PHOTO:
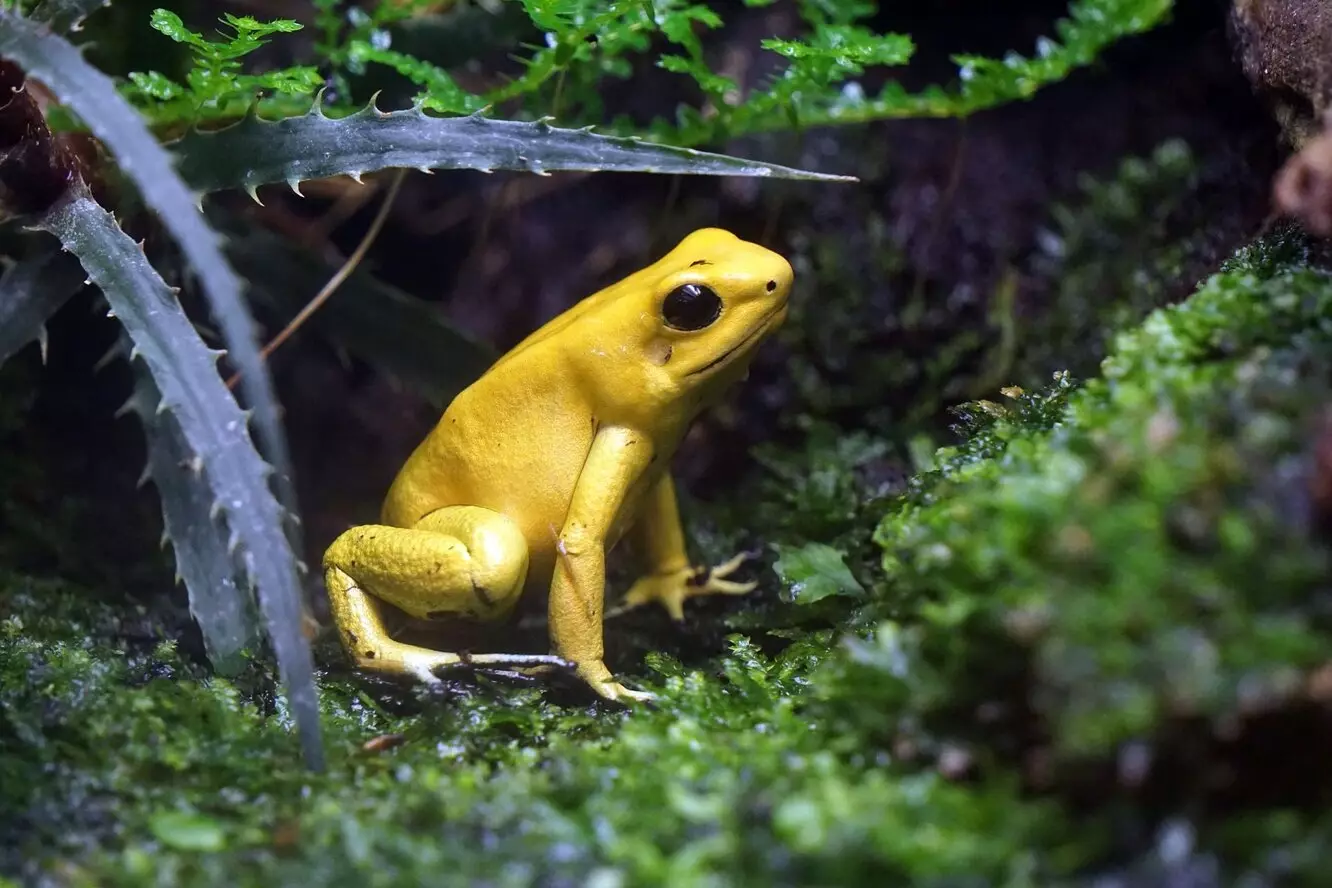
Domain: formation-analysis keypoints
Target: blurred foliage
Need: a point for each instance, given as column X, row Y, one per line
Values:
column 578, row 45
column 1112, row 255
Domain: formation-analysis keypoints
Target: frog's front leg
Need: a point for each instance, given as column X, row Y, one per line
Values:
column 617, row 458
column 456, row 561
column 659, row 539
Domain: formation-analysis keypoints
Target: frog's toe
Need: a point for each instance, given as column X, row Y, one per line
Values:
column 620, row 694
column 424, row 673
column 727, row 587
column 674, row 605
column 730, row 566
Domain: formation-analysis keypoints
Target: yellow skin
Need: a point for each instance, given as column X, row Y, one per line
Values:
column 553, row 456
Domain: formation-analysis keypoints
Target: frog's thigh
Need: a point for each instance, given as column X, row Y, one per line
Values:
column 460, row 560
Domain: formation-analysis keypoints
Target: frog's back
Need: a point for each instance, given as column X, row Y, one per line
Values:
column 513, row 442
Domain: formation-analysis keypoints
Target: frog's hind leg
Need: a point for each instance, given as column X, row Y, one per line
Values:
column 457, row 561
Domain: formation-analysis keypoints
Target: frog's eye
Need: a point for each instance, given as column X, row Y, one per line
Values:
column 691, row 307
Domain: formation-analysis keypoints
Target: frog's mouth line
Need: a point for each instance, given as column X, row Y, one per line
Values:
column 748, row 338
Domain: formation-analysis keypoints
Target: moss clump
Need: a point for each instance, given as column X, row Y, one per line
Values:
column 1104, row 260
column 129, row 769
column 1142, row 552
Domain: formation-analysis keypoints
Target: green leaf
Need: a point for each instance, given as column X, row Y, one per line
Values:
column 301, row 80
column 848, row 47
column 559, row 16
column 155, row 85
column 170, row 24
column 188, row 831
column 250, row 27
column 814, row 572
column 441, row 92
column 814, row 89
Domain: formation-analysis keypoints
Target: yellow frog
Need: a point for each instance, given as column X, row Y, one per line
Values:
column 562, row 448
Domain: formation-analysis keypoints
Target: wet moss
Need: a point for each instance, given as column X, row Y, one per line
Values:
column 134, row 770
column 1143, row 551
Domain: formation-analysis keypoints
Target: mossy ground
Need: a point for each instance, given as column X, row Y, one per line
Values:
column 1086, row 641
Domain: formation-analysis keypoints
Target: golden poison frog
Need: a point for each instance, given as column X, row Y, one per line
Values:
column 560, row 450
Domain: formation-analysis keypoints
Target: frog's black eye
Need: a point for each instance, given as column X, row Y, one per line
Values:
column 691, row 307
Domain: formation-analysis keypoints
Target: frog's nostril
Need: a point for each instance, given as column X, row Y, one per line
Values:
column 772, row 285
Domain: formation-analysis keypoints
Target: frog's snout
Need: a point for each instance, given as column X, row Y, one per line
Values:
column 777, row 275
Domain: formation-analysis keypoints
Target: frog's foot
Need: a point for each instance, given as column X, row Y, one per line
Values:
column 365, row 637
column 599, row 678
column 417, row 663
column 527, row 665
column 424, row 665
column 671, row 590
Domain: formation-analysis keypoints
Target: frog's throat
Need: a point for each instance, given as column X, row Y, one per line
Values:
column 748, row 338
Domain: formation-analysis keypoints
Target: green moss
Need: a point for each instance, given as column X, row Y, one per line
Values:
column 134, row 770
column 1119, row 249
column 1141, row 552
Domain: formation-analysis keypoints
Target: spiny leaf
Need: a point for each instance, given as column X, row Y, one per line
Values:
column 214, row 428
column 219, row 599
column 64, row 16
column 255, row 152
column 32, row 291
column 91, row 94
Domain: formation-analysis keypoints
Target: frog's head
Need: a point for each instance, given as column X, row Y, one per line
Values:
column 712, row 300
column 668, row 339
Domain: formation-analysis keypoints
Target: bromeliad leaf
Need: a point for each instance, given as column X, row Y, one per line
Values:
column 256, row 152
column 30, row 292
column 66, row 15
column 220, row 600
column 214, row 428
column 93, row 97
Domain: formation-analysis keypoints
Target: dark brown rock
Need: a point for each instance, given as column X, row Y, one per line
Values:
column 1285, row 48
